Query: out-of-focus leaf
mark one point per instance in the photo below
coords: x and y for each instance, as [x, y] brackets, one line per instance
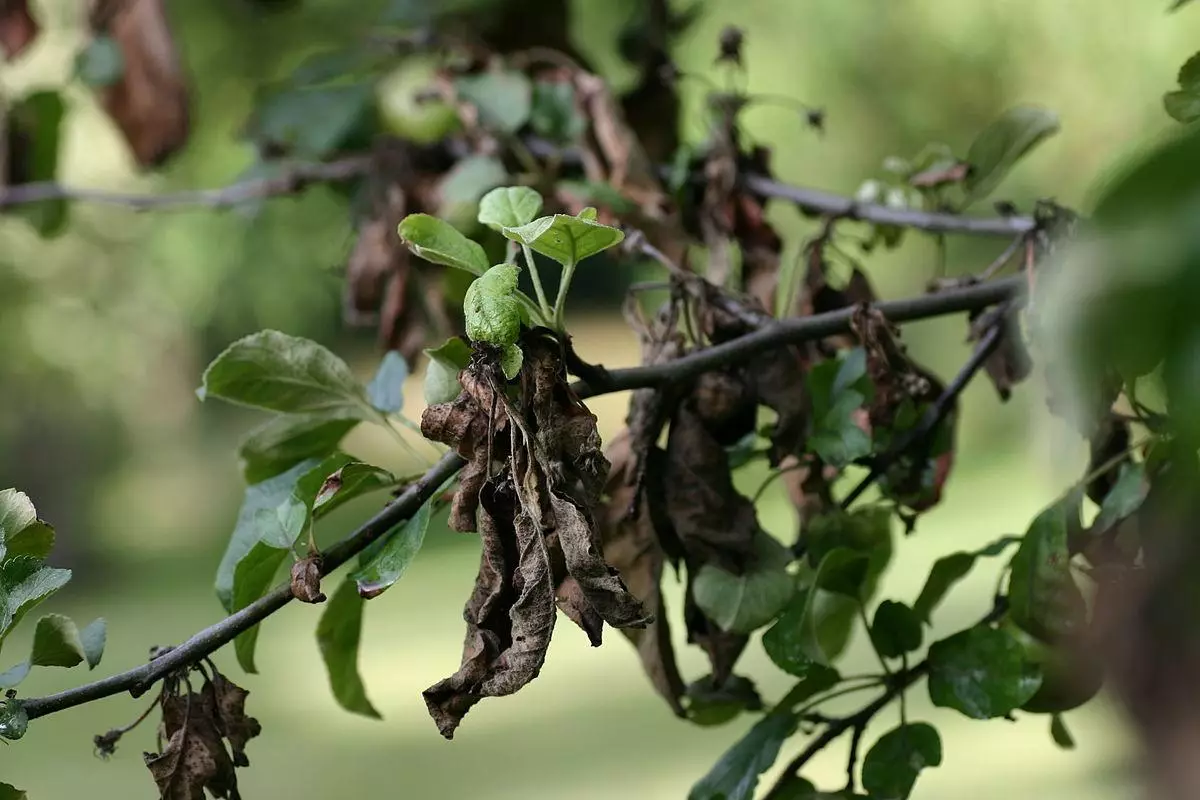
[10, 792]
[35, 136]
[386, 389]
[441, 375]
[1059, 733]
[981, 672]
[19, 29]
[1042, 595]
[1124, 498]
[466, 183]
[389, 562]
[100, 63]
[93, 638]
[744, 603]
[437, 241]
[504, 98]
[891, 767]
[13, 676]
[1002, 144]
[338, 635]
[566, 239]
[896, 630]
[949, 570]
[710, 705]
[735, 775]
[1184, 103]
[312, 122]
[554, 113]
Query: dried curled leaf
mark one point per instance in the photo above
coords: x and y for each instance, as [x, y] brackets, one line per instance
[195, 757]
[1010, 363]
[306, 580]
[232, 722]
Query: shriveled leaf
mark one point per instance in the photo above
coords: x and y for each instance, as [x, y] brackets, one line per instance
[509, 207]
[386, 389]
[194, 757]
[735, 775]
[565, 239]
[441, 374]
[503, 97]
[34, 141]
[1042, 595]
[56, 642]
[493, 314]
[18, 30]
[439, 242]
[949, 570]
[100, 62]
[390, 561]
[1003, 143]
[981, 672]
[21, 532]
[288, 439]
[744, 603]
[896, 630]
[306, 580]
[338, 635]
[231, 719]
[24, 583]
[893, 763]
[93, 638]
[1059, 732]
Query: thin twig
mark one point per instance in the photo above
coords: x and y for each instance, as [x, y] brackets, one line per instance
[852, 761]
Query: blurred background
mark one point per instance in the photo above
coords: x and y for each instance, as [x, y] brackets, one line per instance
[104, 333]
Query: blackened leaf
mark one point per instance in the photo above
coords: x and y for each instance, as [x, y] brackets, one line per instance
[100, 62]
[94, 637]
[891, 766]
[441, 374]
[386, 389]
[21, 532]
[25, 582]
[56, 642]
[504, 98]
[735, 775]
[18, 29]
[195, 757]
[1124, 498]
[1002, 144]
[37, 120]
[338, 635]
[949, 570]
[286, 440]
[896, 630]
[710, 703]
[1059, 732]
[981, 672]
[439, 242]
[391, 560]
[312, 122]
[509, 207]
[10, 792]
[566, 239]
[278, 372]
[1042, 595]
[744, 603]
[231, 719]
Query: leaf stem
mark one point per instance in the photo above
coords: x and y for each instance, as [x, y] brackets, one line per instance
[537, 281]
[560, 304]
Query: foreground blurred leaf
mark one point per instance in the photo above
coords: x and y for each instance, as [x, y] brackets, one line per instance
[566, 239]
[10, 792]
[34, 139]
[1184, 103]
[386, 389]
[949, 570]
[338, 635]
[891, 767]
[286, 440]
[21, 532]
[744, 603]
[100, 63]
[438, 241]
[896, 630]
[24, 583]
[503, 98]
[1002, 144]
[981, 672]
[1042, 596]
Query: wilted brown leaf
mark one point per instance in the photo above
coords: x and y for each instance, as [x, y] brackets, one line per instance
[232, 722]
[722, 648]
[18, 28]
[195, 758]
[149, 103]
[306, 580]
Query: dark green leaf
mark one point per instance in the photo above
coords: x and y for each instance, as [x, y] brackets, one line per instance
[1042, 595]
[744, 603]
[839, 388]
[21, 532]
[13, 676]
[312, 122]
[981, 672]
[441, 376]
[1059, 733]
[251, 579]
[566, 239]
[35, 136]
[10, 792]
[710, 705]
[348, 482]
[56, 642]
[1002, 144]
[329, 65]
[1124, 498]
[100, 63]
[386, 389]
[14, 720]
[949, 570]
[438, 241]
[509, 207]
[493, 313]
[896, 630]
[93, 638]
[554, 114]
[25, 582]
[816, 680]
[1184, 104]
[891, 767]
[399, 548]
[275, 371]
[735, 775]
[286, 440]
[1178, 4]
[503, 98]
[338, 635]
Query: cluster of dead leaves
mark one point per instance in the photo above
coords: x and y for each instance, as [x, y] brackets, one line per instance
[531, 486]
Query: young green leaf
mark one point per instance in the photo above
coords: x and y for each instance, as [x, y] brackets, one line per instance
[24, 583]
[735, 775]
[1042, 595]
[504, 98]
[896, 630]
[1059, 732]
[511, 359]
[565, 239]
[338, 635]
[744, 603]
[1124, 498]
[441, 375]
[509, 207]
[493, 313]
[21, 532]
[1002, 144]
[93, 638]
[389, 562]
[56, 642]
[386, 389]
[949, 570]
[981, 672]
[286, 440]
[891, 766]
[278, 372]
[439, 242]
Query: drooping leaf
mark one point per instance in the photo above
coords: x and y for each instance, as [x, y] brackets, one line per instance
[735, 775]
[949, 570]
[565, 239]
[1003, 143]
[981, 672]
[441, 374]
[100, 63]
[493, 314]
[439, 242]
[278, 372]
[21, 532]
[386, 389]
[390, 561]
[338, 635]
[24, 583]
[312, 121]
[893, 763]
[509, 207]
[93, 638]
[253, 576]
[1042, 595]
[1059, 732]
[896, 630]
[288, 439]
[503, 97]
[744, 603]
[34, 137]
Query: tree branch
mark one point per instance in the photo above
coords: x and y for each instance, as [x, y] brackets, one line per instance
[138, 680]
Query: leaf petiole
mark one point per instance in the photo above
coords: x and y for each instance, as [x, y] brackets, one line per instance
[560, 304]
[537, 282]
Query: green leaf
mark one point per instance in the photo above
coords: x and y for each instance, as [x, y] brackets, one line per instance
[389, 562]
[1184, 104]
[555, 115]
[338, 635]
[744, 603]
[13, 676]
[100, 63]
[511, 359]
[10, 792]
[493, 313]
[1042, 595]
[468, 181]
[509, 207]
[251, 580]
[313, 122]
[566, 239]
[441, 376]
[35, 138]
[1124, 498]
[504, 98]
[839, 388]
[56, 642]
[891, 767]
[1059, 733]
[288, 439]
[599, 192]
[1002, 144]
[735, 775]
[24, 583]
[348, 482]
[439, 242]
[278, 372]
[981, 672]
[949, 570]
[386, 389]
[21, 532]
[93, 638]
[896, 630]
[14, 720]
[709, 704]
